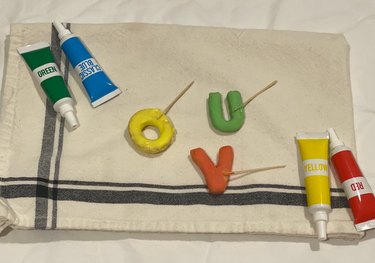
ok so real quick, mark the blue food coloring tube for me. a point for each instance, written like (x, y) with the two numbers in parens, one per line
(98, 86)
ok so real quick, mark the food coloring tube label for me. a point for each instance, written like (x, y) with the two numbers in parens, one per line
(87, 68)
(356, 186)
(315, 167)
(46, 71)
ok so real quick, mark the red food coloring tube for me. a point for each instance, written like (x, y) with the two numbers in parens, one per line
(357, 190)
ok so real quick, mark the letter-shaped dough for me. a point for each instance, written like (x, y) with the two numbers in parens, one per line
(151, 117)
(215, 177)
(235, 111)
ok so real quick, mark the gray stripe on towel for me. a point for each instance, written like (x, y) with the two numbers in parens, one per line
(44, 166)
(59, 148)
(160, 198)
(154, 186)
(56, 174)
(41, 204)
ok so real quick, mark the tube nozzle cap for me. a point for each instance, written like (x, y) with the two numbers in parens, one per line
(66, 110)
(321, 228)
(61, 29)
(321, 218)
(334, 140)
(71, 119)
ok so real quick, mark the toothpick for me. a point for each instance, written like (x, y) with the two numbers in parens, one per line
(250, 171)
(273, 83)
(177, 98)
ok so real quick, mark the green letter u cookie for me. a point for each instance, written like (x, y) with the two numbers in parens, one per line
(235, 111)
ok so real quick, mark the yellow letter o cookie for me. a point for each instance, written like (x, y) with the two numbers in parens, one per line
(151, 117)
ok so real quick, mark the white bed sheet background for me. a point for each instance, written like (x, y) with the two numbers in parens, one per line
(354, 18)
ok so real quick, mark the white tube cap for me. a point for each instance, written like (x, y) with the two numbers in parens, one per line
(321, 228)
(334, 140)
(71, 119)
(61, 30)
(66, 110)
(320, 219)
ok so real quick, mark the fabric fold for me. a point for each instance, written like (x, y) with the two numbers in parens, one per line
(8, 217)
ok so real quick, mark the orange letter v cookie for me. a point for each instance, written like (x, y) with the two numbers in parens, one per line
(216, 176)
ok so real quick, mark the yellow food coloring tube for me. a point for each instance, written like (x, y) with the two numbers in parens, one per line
(313, 149)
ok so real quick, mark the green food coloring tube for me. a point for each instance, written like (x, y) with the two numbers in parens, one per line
(40, 60)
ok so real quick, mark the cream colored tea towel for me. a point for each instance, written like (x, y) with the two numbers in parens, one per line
(94, 178)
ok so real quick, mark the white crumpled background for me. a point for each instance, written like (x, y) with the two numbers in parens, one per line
(353, 18)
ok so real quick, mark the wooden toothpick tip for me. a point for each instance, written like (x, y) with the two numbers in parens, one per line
(166, 110)
(273, 83)
(255, 170)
